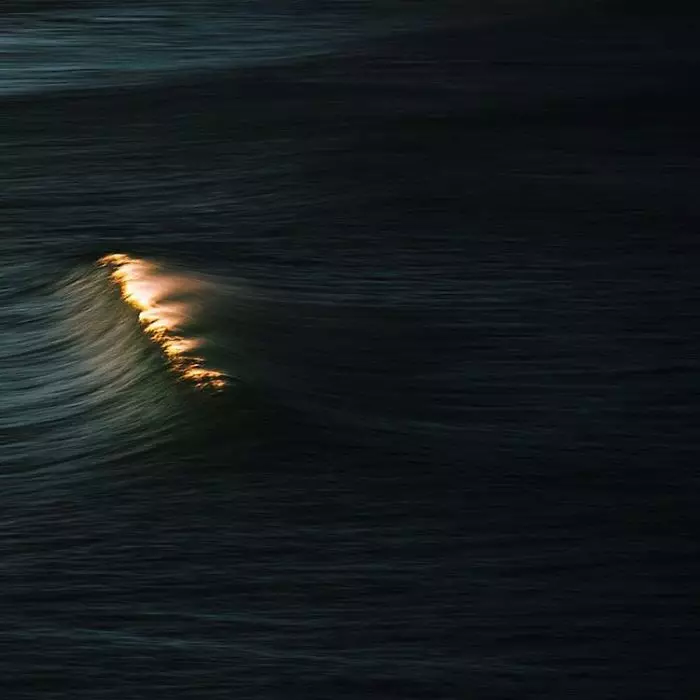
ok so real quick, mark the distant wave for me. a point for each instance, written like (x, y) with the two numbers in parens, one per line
(68, 46)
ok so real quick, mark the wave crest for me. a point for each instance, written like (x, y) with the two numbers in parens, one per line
(144, 287)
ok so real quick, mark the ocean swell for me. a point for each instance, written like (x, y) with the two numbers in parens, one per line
(87, 376)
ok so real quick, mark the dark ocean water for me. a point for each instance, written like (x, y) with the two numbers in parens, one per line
(448, 271)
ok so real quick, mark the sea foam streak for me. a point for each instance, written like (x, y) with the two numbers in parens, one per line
(147, 291)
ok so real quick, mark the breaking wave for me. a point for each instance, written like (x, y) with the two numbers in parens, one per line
(105, 364)
(151, 292)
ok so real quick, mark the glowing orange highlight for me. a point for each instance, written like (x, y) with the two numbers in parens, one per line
(141, 287)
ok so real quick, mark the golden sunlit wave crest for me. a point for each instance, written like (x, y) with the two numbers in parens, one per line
(143, 288)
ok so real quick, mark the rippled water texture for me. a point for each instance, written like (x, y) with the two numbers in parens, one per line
(342, 361)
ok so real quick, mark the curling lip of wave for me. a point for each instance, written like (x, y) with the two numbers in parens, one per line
(160, 319)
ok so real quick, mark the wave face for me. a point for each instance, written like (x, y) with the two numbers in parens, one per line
(86, 378)
(366, 377)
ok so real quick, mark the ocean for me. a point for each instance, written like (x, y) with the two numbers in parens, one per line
(348, 350)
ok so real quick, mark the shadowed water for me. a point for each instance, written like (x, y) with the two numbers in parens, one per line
(363, 375)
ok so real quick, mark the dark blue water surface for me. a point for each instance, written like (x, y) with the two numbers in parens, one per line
(445, 258)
